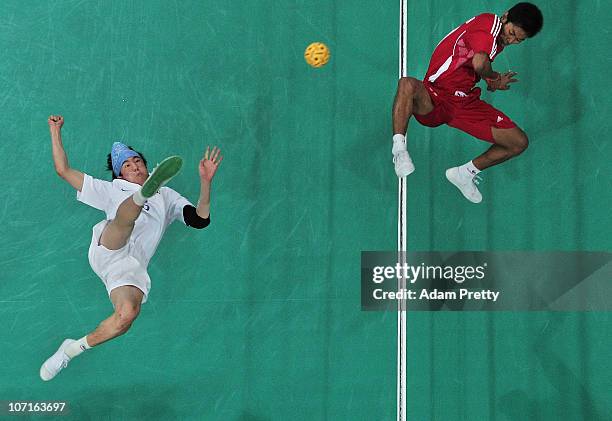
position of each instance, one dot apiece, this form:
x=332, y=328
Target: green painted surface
x=258, y=317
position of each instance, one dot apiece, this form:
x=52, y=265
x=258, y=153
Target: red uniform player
x=448, y=93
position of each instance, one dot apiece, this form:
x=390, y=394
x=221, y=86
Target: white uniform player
x=128, y=265
x=138, y=210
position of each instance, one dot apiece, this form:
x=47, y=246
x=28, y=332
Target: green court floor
x=258, y=316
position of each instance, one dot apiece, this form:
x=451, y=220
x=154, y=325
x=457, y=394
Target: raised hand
x=209, y=164
x=55, y=121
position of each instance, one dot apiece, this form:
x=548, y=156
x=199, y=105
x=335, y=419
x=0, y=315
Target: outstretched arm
x=207, y=169
x=60, y=160
x=495, y=80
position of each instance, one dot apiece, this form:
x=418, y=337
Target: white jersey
x=158, y=212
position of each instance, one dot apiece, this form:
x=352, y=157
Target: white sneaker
x=401, y=159
x=467, y=185
x=56, y=362
x=403, y=164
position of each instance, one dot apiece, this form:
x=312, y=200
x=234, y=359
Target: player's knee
x=407, y=86
x=520, y=144
x=127, y=313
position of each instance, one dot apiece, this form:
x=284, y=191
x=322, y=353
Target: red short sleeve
x=480, y=41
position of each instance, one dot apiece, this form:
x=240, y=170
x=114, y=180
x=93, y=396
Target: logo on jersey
x=146, y=207
x=499, y=119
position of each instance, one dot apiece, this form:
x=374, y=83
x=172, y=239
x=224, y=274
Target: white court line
x=401, y=234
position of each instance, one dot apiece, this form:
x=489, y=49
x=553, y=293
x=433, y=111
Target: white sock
x=468, y=170
x=399, y=143
x=77, y=347
x=138, y=198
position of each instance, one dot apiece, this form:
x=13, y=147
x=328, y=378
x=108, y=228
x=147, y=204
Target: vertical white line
x=402, y=236
x=401, y=313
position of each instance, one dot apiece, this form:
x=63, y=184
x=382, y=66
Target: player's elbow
x=61, y=172
x=193, y=220
x=200, y=223
x=479, y=68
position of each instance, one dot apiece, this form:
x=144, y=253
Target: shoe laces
x=477, y=179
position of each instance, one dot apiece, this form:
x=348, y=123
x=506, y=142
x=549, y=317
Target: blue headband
x=119, y=154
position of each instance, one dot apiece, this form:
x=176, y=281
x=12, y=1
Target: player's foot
x=401, y=158
x=163, y=172
x=403, y=164
x=465, y=183
x=56, y=362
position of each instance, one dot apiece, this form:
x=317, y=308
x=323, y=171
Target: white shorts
x=117, y=267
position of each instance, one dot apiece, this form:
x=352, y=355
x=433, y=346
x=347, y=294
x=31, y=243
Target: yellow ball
x=316, y=54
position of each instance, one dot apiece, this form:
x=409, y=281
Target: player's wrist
x=496, y=77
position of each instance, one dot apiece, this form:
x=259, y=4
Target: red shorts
x=467, y=113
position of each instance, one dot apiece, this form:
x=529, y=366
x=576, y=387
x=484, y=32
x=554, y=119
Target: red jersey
x=450, y=69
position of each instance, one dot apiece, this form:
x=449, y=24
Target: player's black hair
x=527, y=16
x=109, y=161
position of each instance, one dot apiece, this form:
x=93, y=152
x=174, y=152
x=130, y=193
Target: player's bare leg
x=126, y=300
x=117, y=232
x=508, y=144
x=411, y=98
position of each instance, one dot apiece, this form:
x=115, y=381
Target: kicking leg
x=117, y=232
x=411, y=97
